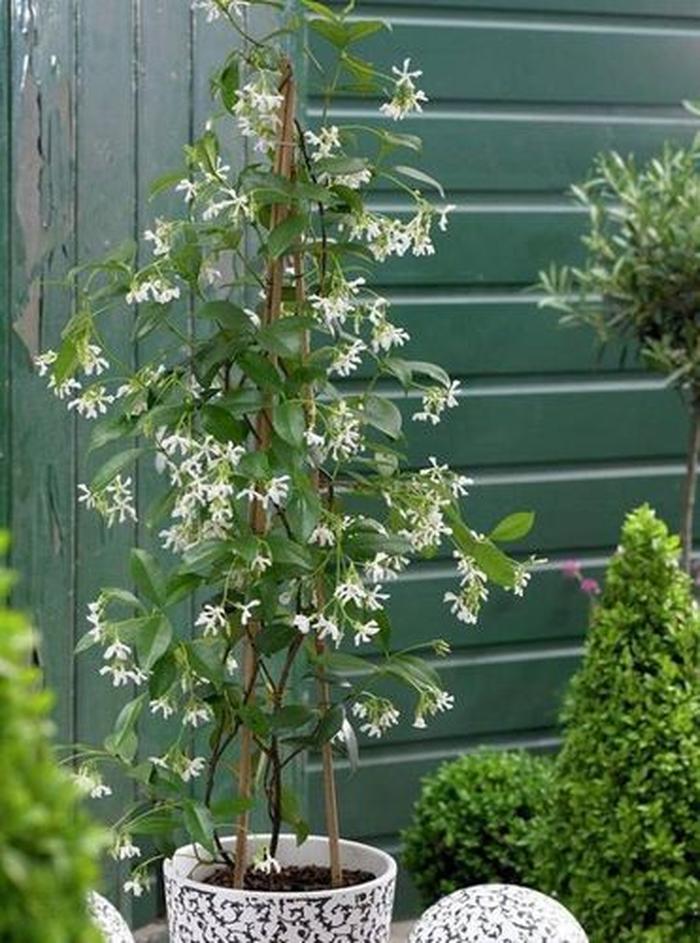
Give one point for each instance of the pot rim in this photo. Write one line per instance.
(388, 875)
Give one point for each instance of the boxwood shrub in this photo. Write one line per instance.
(620, 842)
(48, 848)
(471, 823)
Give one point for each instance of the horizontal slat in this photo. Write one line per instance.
(494, 244)
(584, 512)
(621, 8)
(591, 423)
(482, 335)
(536, 150)
(516, 58)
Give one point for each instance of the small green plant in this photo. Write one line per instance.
(640, 282)
(48, 848)
(472, 822)
(620, 840)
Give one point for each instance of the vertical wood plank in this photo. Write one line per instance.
(43, 474)
(106, 191)
(5, 265)
(163, 128)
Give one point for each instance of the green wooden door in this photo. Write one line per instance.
(523, 94)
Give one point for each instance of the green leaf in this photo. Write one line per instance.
(495, 564)
(514, 527)
(383, 414)
(199, 824)
(285, 337)
(147, 575)
(285, 235)
(331, 722)
(164, 675)
(273, 638)
(289, 553)
(221, 424)
(165, 182)
(112, 467)
(157, 822)
(291, 717)
(180, 586)
(340, 166)
(289, 422)
(116, 594)
(361, 29)
(206, 656)
(153, 641)
(109, 430)
(303, 511)
(122, 741)
(420, 176)
(335, 32)
(260, 370)
(242, 402)
(227, 315)
(431, 370)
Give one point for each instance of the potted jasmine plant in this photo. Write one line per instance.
(286, 506)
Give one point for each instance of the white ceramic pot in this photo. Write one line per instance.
(202, 913)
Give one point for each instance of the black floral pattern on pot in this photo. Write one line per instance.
(198, 914)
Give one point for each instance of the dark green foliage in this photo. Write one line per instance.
(471, 824)
(48, 848)
(620, 844)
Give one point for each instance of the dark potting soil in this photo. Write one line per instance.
(308, 878)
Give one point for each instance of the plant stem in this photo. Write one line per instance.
(283, 166)
(690, 487)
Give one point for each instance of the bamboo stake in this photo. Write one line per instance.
(283, 166)
(330, 794)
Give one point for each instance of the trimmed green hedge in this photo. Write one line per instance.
(472, 822)
(620, 844)
(48, 848)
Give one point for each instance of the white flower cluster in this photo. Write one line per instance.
(432, 701)
(175, 761)
(436, 399)
(388, 236)
(377, 713)
(203, 472)
(406, 97)
(120, 664)
(114, 502)
(155, 288)
(473, 591)
(90, 782)
(326, 143)
(138, 883)
(160, 236)
(257, 109)
(421, 500)
(92, 362)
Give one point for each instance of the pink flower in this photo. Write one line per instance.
(590, 587)
(571, 569)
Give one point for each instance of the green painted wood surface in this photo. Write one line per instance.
(523, 94)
